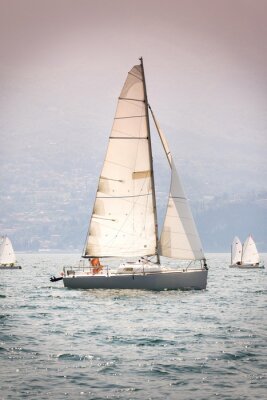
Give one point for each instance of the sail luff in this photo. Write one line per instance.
(151, 163)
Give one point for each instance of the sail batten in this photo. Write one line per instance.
(132, 116)
(126, 99)
(128, 138)
(122, 197)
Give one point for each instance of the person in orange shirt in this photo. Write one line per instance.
(95, 263)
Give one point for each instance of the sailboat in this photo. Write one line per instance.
(236, 252)
(245, 256)
(124, 221)
(7, 255)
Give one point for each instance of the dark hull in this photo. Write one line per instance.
(184, 280)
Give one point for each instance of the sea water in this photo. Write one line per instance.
(58, 343)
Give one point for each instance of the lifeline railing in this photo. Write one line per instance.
(86, 269)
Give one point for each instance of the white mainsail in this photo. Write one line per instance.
(250, 253)
(7, 255)
(179, 237)
(123, 221)
(236, 251)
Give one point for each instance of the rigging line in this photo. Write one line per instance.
(132, 116)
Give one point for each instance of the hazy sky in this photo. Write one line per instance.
(63, 64)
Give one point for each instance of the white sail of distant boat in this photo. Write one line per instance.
(124, 222)
(236, 253)
(7, 254)
(249, 254)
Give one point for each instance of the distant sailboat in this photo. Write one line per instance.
(124, 219)
(245, 256)
(236, 251)
(7, 255)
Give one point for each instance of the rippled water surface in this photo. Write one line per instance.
(59, 343)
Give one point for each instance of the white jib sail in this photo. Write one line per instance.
(250, 253)
(236, 251)
(179, 236)
(122, 222)
(7, 255)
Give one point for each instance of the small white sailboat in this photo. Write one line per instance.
(124, 219)
(236, 252)
(7, 255)
(245, 256)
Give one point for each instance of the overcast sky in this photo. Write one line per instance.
(63, 64)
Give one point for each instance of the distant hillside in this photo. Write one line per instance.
(220, 221)
(52, 220)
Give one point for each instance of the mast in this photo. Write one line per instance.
(151, 163)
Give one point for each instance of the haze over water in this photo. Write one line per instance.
(63, 64)
(115, 344)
